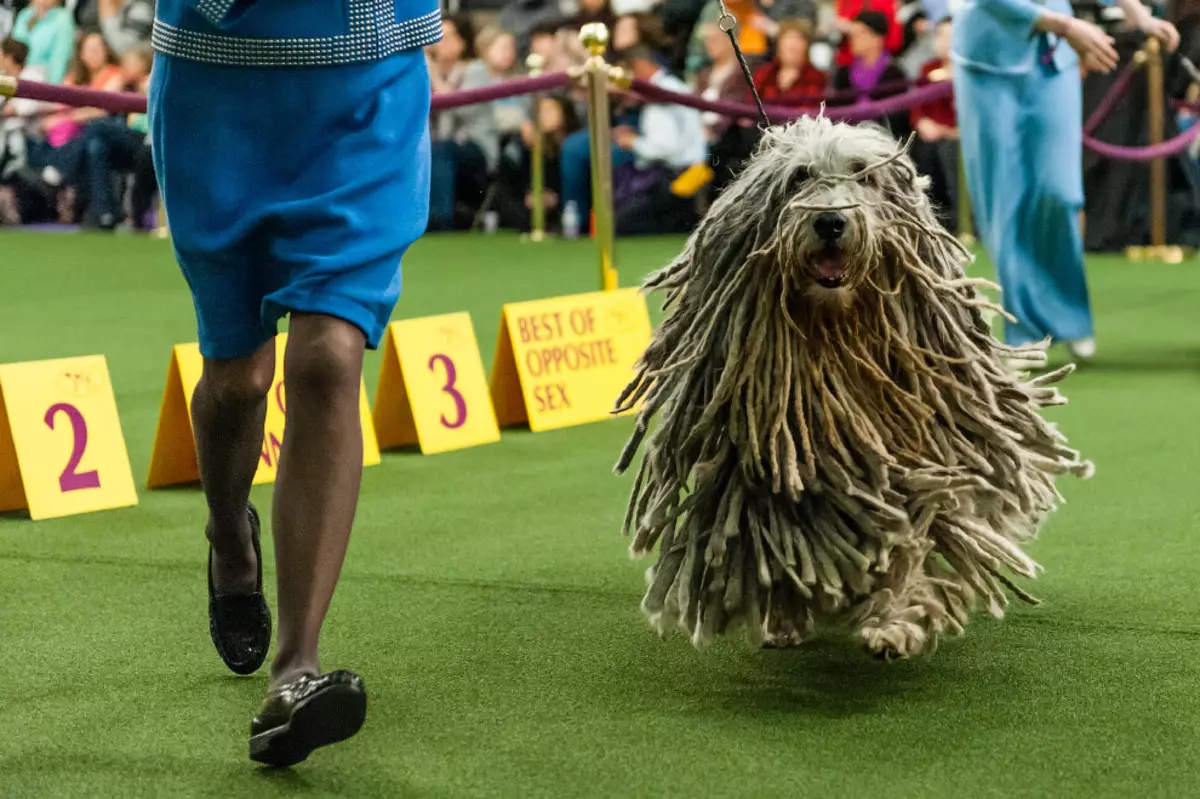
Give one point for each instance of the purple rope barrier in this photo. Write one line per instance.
(1115, 93)
(501, 91)
(129, 103)
(1167, 149)
(114, 102)
(851, 113)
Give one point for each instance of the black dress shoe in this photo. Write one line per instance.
(240, 624)
(305, 714)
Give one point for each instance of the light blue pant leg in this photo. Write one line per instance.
(1051, 138)
(1021, 149)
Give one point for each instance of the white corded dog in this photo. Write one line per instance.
(838, 441)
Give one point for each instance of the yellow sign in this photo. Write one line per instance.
(564, 361)
(62, 451)
(432, 387)
(174, 458)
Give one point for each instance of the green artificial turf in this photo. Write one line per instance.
(489, 602)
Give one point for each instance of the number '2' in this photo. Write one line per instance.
(71, 480)
(460, 404)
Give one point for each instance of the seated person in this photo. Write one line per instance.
(790, 78)
(513, 199)
(669, 140)
(871, 75)
(120, 144)
(730, 142)
(936, 148)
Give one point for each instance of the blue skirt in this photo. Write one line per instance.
(291, 189)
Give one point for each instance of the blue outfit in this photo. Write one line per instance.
(1020, 105)
(291, 145)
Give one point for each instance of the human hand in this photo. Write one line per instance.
(1162, 30)
(624, 137)
(1090, 42)
(928, 130)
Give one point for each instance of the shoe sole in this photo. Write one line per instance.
(327, 717)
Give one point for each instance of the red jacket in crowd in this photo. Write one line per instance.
(940, 111)
(805, 91)
(849, 9)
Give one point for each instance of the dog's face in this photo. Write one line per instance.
(836, 187)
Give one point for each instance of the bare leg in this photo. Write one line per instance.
(228, 412)
(316, 491)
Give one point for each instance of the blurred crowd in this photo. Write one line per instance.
(84, 166)
(668, 160)
(76, 165)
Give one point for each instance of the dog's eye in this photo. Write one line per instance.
(798, 179)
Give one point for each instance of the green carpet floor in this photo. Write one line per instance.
(489, 602)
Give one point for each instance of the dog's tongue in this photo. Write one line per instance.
(830, 265)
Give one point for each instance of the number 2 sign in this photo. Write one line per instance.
(432, 387)
(62, 451)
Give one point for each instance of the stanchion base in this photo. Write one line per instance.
(534, 237)
(967, 239)
(161, 233)
(1167, 253)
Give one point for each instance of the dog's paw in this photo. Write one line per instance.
(898, 640)
(782, 641)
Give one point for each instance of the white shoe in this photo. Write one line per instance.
(1083, 349)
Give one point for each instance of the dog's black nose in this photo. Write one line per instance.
(830, 225)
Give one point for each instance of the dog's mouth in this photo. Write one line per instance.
(830, 267)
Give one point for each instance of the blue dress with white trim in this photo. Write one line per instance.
(292, 149)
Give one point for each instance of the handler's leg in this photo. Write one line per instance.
(316, 491)
(1051, 139)
(229, 408)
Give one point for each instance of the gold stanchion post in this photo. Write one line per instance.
(597, 73)
(537, 179)
(1151, 57)
(8, 86)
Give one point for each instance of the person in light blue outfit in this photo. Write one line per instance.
(1018, 91)
(291, 146)
(49, 33)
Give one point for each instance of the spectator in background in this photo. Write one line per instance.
(126, 24)
(789, 78)
(776, 12)
(729, 142)
(49, 32)
(484, 124)
(592, 11)
(514, 192)
(522, 17)
(936, 148)
(113, 144)
(871, 75)
(750, 35)
(669, 140)
(94, 67)
(447, 62)
(20, 197)
(641, 28)
(848, 12)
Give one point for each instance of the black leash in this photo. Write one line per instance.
(728, 24)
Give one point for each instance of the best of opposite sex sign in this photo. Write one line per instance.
(564, 361)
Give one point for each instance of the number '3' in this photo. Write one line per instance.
(460, 404)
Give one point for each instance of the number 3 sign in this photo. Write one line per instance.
(432, 387)
(61, 447)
